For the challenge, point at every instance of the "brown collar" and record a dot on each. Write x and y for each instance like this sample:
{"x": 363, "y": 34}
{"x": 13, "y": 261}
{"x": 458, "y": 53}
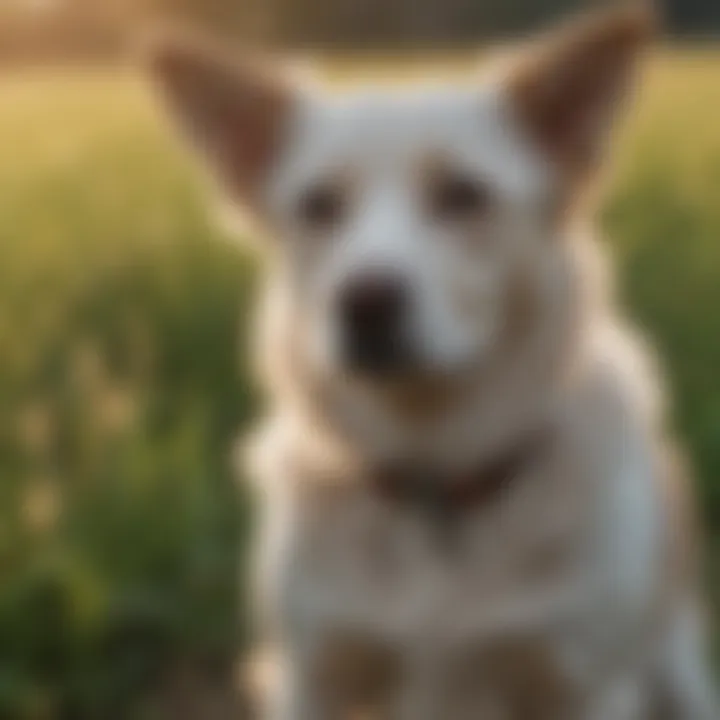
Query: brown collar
{"x": 446, "y": 496}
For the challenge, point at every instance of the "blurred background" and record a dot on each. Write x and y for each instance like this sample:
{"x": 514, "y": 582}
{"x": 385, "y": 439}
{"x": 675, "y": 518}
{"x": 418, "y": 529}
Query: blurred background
{"x": 122, "y": 306}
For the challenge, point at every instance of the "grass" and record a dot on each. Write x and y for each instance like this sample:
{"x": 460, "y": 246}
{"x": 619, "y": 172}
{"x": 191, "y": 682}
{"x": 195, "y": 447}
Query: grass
{"x": 122, "y": 389}
{"x": 123, "y": 386}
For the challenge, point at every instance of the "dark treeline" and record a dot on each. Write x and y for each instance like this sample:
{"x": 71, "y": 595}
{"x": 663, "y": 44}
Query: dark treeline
{"x": 51, "y": 29}
{"x": 697, "y": 17}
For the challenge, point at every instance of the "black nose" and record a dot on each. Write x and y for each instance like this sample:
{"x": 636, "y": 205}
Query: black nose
{"x": 373, "y": 311}
{"x": 373, "y": 302}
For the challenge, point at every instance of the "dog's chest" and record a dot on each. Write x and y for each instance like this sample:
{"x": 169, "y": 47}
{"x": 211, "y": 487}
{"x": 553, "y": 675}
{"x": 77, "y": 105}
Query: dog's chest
{"x": 399, "y": 573}
{"x": 432, "y": 606}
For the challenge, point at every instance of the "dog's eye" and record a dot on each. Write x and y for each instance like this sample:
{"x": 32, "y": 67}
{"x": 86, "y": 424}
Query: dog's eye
{"x": 321, "y": 206}
{"x": 460, "y": 198}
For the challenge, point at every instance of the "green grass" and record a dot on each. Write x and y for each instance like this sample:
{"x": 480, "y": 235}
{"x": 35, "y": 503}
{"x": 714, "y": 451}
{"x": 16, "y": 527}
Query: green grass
{"x": 123, "y": 387}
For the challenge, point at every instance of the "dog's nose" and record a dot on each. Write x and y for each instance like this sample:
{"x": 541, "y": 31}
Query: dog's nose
{"x": 373, "y": 310}
{"x": 373, "y": 301}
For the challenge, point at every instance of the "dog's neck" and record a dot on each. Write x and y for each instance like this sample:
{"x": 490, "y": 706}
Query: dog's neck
{"x": 464, "y": 419}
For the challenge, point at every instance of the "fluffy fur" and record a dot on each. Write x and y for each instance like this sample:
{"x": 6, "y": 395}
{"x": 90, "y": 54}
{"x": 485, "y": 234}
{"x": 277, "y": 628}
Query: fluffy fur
{"x": 574, "y": 595}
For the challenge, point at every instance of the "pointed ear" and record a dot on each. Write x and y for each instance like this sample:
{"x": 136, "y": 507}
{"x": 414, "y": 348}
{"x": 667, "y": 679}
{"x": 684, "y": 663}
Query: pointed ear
{"x": 234, "y": 112}
{"x": 567, "y": 91}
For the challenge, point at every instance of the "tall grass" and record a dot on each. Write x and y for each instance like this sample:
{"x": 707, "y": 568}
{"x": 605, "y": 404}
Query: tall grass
{"x": 122, "y": 388}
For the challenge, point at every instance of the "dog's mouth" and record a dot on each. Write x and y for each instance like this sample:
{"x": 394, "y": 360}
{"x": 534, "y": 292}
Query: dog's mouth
{"x": 379, "y": 354}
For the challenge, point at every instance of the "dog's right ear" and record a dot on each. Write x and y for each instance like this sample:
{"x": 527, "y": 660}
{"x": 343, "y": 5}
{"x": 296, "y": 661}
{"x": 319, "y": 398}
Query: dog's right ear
{"x": 234, "y": 112}
{"x": 568, "y": 90}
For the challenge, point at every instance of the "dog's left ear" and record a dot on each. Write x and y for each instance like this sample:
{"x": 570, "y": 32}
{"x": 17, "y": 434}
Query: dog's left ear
{"x": 234, "y": 111}
{"x": 567, "y": 91}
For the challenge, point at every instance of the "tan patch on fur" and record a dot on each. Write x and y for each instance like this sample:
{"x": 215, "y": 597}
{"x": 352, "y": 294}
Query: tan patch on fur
{"x": 421, "y": 398}
{"x": 525, "y": 672}
{"x": 521, "y": 306}
{"x": 683, "y": 522}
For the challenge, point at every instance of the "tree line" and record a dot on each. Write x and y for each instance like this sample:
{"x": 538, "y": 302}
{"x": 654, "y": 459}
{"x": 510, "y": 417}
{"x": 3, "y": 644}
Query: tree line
{"x": 88, "y": 28}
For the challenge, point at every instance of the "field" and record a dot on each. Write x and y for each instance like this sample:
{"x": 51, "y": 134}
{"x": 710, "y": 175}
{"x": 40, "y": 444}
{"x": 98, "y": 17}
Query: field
{"x": 123, "y": 387}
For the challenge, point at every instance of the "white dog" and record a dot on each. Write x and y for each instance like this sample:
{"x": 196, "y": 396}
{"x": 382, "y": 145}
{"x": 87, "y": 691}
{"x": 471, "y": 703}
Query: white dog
{"x": 470, "y": 506}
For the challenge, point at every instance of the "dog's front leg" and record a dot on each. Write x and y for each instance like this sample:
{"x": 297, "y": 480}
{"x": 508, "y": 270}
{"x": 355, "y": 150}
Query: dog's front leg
{"x": 300, "y": 693}
{"x": 622, "y": 699}
{"x": 419, "y": 696}
{"x": 684, "y": 686}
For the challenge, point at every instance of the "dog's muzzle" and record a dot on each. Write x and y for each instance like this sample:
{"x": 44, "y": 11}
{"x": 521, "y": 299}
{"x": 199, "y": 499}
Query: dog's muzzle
{"x": 373, "y": 315}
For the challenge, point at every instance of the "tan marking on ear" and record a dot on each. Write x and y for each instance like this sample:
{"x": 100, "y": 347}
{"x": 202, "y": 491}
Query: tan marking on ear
{"x": 567, "y": 90}
{"x": 233, "y": 110}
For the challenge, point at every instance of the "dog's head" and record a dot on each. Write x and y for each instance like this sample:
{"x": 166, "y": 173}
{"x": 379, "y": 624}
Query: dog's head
{"x": 400, "y": 218}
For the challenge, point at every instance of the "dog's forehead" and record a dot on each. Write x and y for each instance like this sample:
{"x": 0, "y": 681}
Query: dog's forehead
{"x": 390, "y": 131}
{"x": 400, "y": 117}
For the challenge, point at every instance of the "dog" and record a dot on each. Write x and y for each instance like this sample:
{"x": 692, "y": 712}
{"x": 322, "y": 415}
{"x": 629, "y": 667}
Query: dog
{"x": 470, "y": 505}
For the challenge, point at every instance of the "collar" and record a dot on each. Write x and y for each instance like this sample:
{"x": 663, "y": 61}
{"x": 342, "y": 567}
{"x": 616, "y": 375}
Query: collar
{"x": 446, "y": 496}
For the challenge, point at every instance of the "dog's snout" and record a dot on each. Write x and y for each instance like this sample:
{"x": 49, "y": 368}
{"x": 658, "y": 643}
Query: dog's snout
{"x": 373, "y": 311}
{"x": 373, "y": 301}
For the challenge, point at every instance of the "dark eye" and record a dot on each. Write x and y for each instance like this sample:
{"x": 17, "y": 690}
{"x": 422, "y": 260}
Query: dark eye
{"x": 321, "y": 205}
{"x": 460, "y": 198}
